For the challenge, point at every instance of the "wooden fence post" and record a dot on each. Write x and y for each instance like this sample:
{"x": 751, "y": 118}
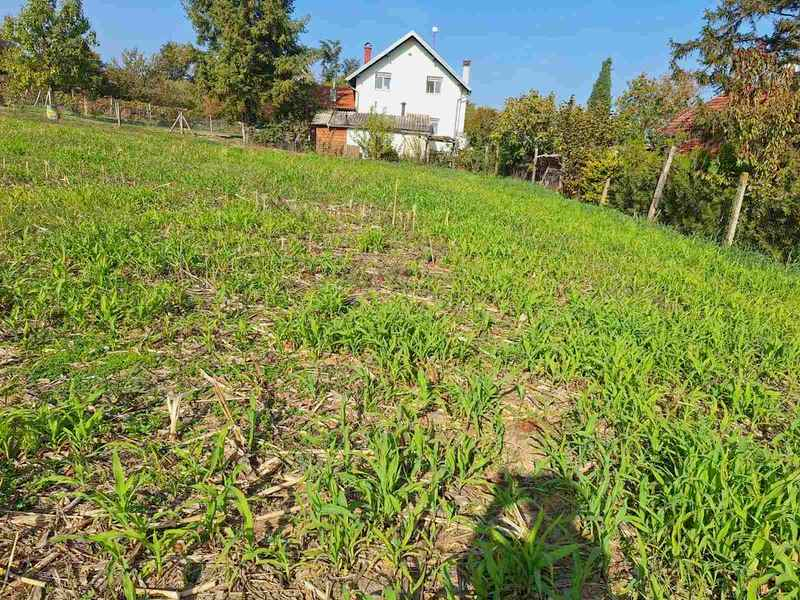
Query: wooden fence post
{"x": 662, "y": 182}
{"x": 119, "y": 121}
{"x": 604, "y": 196}
{"x": 394, "y": 204}
{"x": 737, "y": 208}
{"x": 535, "y": 163}
{"x": 497, "y": 161}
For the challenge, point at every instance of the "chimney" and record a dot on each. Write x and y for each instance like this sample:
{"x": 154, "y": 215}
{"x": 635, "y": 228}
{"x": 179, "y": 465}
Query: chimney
{"x": 467, "y": 71}
{"x": 367, "y": 52}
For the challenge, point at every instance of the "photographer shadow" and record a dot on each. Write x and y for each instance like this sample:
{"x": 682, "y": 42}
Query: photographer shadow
{"x": 527, "y": 545}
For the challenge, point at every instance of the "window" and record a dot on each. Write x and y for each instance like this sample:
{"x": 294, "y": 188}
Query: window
{"x": 383, "y": 81}
{"x": 434, "y": 85}
{"x": 435, "y": 126}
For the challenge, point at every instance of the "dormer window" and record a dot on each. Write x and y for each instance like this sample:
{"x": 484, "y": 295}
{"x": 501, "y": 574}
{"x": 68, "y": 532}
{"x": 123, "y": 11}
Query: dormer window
{"x": 383, "y": 81}
{"x": 434, "y": 85}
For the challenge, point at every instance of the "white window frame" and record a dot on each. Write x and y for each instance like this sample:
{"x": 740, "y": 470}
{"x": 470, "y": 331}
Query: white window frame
{"x": 437, "y": 84}
{"x": 383, "y": 81}
{"x": 435, "y": 125}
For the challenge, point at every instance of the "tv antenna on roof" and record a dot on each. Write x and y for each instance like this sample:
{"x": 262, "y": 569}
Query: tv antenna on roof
{"x": 435, "y": 30}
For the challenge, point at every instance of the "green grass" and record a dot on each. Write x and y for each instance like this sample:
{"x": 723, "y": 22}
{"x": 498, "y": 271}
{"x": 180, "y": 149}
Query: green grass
{"x": 504, "y": 394}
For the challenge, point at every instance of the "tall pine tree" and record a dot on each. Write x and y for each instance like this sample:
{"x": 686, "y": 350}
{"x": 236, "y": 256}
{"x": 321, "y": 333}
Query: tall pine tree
{"x": 254, "y": 57}
{"x": 600, "y": 100}
{"x": 770, "y": 25}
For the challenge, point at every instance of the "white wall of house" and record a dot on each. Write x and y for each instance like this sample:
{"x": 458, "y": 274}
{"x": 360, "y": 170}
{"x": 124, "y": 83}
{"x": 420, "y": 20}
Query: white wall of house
{"x": 409, "y": 145}
{"x": 410, "y": 65}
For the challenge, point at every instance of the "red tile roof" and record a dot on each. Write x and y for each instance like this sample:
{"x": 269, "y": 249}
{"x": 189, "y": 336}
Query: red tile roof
{"x": 684, "y": 122}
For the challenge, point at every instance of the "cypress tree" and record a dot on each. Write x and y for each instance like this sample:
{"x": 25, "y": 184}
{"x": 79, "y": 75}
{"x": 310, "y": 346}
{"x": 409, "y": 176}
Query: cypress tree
{"x": 600, "y": 100}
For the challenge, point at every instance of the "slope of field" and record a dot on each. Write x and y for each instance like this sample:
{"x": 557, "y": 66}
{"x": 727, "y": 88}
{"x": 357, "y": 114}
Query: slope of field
{"x": 387, "y": 380}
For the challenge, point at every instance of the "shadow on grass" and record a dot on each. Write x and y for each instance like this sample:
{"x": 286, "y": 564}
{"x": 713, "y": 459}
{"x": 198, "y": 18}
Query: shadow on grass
{"x": 527, "y": 546}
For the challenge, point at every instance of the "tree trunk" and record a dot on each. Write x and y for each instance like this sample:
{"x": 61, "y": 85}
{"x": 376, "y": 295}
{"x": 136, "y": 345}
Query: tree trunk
{"x": 737, "y": 208}
{"x": 662, "y": 182}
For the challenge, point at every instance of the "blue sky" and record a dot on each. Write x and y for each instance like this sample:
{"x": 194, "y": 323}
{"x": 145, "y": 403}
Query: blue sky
{"x": 515, "y": 45}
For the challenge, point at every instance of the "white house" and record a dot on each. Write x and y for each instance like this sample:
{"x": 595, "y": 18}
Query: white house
{"x": 410, "y": 82}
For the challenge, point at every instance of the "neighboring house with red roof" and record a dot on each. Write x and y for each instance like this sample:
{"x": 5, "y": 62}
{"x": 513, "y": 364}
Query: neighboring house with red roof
{"x": 685, "y": 124}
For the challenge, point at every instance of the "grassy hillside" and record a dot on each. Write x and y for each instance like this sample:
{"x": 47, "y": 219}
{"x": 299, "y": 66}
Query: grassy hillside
{"x": 390, "y": 380}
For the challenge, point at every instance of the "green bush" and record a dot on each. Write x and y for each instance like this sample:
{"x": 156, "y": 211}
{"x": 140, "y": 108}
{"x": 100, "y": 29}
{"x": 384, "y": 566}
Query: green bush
{"x": 698, "y": 197}
{"x": 632, "y": 188}
{"x": 375, "y": 140}
{"x": 602, "y": 165}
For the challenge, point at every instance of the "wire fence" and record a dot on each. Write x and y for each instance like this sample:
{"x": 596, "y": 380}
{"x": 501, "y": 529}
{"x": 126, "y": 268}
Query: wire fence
{"x": 176, "y": 119}
{"x": 130, "y": 112}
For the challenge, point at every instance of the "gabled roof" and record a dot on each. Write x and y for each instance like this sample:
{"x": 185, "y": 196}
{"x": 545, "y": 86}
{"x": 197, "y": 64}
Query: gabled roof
{"x": 684, "y": 123}
{"x": 402, "y": 40}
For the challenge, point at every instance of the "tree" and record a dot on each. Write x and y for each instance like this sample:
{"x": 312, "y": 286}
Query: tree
{"x": 600, "y": 100}
{"x": 333, "y": 70}
{"x": 770, "y": 25}
{"x": 50, "y": 47}
{"x": 163, "y": 79}
{"x": 349, "y": 65}
{"x": 4, "y": 47}
{"x": 254, "y": 56}
{"x": 759, "y": 128}
{"x": 525, "y": 125}
{"x": 130, "y": 77}
{"x": 479, "y": 122}
{"x": 175, "y": 61}
{"x": 330, "y": 52}
{"x": 649, "y": 104}
{"x": 582, "y": 136}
